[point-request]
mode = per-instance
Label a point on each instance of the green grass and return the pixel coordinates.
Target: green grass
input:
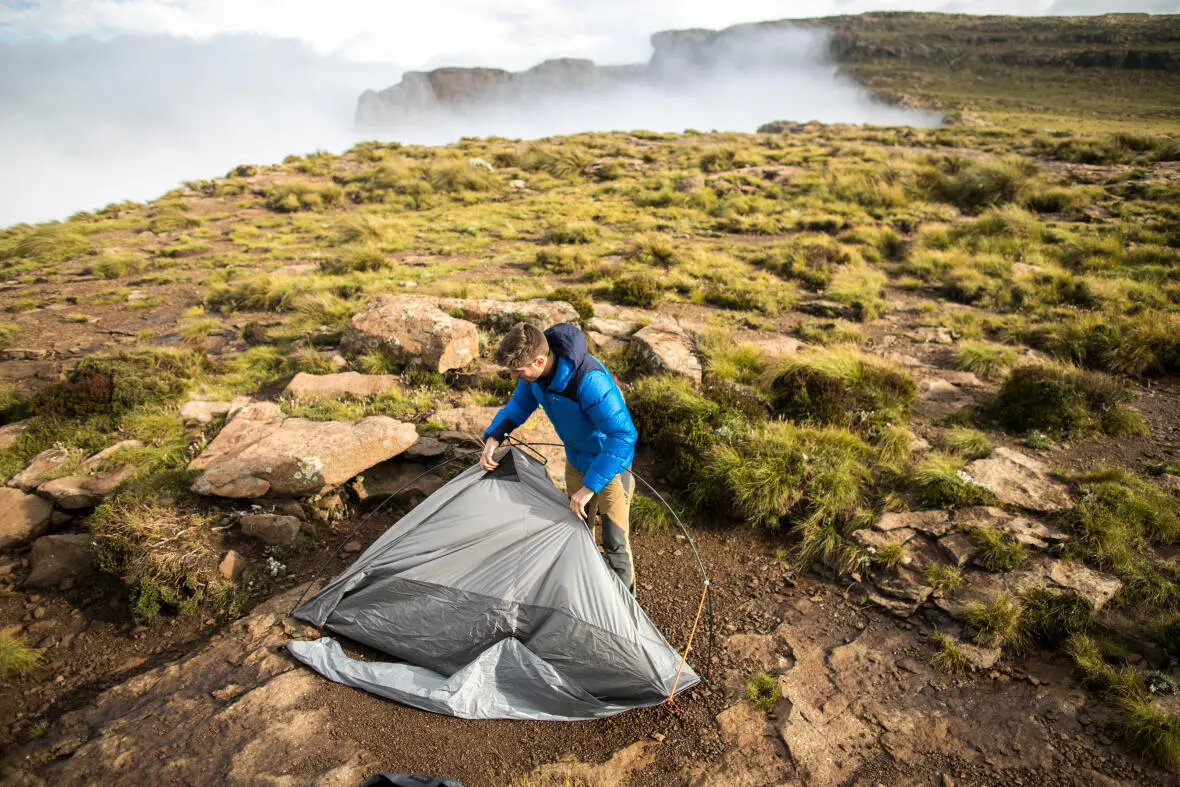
(998, 622)
(762, 690)
(941, 483)
(1052, 617)
(948, 654)
(889, 556)
(1165, 632)
(967, 443)
(16, 658)
(996, 550)
(942, 576)
(989, 361)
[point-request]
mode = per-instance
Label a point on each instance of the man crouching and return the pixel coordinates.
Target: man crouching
(553, 369)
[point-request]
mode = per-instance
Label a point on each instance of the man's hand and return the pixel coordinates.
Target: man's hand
(578, 502)
(485, 459)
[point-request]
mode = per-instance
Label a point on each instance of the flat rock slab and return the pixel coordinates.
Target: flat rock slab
(9, 433)
(666, 349)
(236, 711)
(23, 517)
(413, 331)
(1059, 575)
(1018, 479)
(42, 465)
(345, 385)
(84, 491)
(261, 451)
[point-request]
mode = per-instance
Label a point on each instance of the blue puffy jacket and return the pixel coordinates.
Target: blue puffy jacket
(583, 403)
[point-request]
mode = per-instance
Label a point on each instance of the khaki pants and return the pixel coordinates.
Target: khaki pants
(612, 506)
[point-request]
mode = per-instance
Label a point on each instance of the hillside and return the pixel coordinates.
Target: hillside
(914, 389)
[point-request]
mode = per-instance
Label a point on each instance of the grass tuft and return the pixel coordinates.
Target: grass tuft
(762, 690)
(948, 655)
(16, 658)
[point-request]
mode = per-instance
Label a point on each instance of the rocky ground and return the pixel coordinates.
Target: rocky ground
(188, 700)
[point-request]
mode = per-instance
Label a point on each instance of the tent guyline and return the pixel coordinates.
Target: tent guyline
(494, 601)
(706, 597)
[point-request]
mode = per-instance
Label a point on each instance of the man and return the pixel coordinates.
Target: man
(553, 369)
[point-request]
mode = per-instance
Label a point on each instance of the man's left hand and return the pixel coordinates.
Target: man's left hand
(578, 502)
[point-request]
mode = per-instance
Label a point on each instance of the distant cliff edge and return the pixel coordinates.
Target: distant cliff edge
(1136, 41)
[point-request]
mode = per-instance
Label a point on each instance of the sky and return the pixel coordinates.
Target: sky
(105, 100)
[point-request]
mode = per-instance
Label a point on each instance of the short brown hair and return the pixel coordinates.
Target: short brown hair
(523, 344)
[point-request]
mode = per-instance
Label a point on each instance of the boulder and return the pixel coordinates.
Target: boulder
(958, 547)
(84, 491)
(55, 559)
(389, 477)
(666, 349)
(203, 412)
(345, 385)
(260, 451)
(467, 424)
(23, 517)
(618, 328)
(412, 331)
(1096, 587)
(232, 566)
(602, 343)
(1018, 479)
(274, 529)
(502, 315)
(9, 433)
(42, 465)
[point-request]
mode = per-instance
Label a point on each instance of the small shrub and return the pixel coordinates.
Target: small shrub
(996, 550)
(563, 261)
(359, 257)
(859, 287)
(581, 302)
(975, 185)
(574, 233)
(810, 258)
(640, 289)
(16, 658)
(197, 330)
(112, 265)
(172, 220)
(1060, 400)
(1165, 632)
(943, 484)
(842, 388)
(649, 514)
(827, 333)
(297, 196)
(652, 248)
(762, 690)
(948, 655)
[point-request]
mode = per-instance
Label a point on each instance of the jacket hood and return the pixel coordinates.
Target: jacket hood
(567, 341)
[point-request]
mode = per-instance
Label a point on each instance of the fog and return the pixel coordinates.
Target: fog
(86, 123)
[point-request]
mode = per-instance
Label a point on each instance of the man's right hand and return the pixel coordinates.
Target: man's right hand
(485, 459)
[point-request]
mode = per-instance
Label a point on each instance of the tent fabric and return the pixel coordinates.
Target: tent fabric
(495, 603)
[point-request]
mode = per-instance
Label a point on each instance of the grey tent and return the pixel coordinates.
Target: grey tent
(495, 602)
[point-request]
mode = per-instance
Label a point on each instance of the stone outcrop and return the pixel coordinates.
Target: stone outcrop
(43, 464)
(469, 423)
(23, 517)
(261, 451)
(412, 331)
(84, 491)
(55, 559)
(502, 315)
(274, 529)
(664, 348)
(1019, 480)
(346, 385)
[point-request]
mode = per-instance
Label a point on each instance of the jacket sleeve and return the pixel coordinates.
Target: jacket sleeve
(513, 414)
(602, 401)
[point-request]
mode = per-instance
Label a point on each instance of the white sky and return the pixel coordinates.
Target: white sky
(506, 33)
(104, 100)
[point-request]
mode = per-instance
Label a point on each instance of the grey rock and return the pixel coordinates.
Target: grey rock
(55, 559)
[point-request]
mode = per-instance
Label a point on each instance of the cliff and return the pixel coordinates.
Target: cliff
(1122, 41)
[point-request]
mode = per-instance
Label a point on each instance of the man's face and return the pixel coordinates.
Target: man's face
(530, 372)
